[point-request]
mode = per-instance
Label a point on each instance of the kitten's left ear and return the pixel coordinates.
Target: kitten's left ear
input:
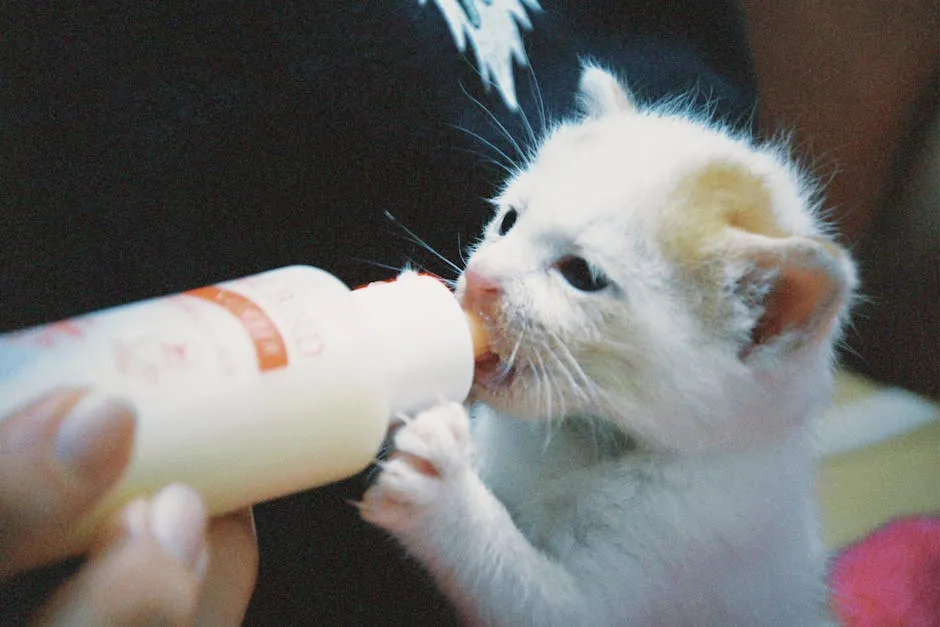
(600, 93)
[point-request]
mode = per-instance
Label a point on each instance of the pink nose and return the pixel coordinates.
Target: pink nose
(480, 291)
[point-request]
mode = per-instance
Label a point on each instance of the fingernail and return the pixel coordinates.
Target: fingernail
(29, 427)
(94, 438)
(178, 521)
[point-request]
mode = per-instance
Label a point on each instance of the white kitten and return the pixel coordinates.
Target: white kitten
(663, 305)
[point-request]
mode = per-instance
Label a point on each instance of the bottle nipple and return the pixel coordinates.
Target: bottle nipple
(478, 334)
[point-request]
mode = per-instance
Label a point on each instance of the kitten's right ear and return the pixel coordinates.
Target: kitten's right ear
(799, 286)
(783, 289)
(600, 93)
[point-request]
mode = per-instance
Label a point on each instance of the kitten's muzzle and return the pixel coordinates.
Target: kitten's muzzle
(481, 295)
(481, 292)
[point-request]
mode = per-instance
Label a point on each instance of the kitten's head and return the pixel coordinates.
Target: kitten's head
(656, 272)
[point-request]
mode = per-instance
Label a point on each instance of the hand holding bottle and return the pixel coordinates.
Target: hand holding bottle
(255, 388)
(155, 559)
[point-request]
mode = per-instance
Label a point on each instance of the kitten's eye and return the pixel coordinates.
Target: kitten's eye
(582, 275)
(508, 221)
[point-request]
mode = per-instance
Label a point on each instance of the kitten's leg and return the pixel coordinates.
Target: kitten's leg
(430, 498)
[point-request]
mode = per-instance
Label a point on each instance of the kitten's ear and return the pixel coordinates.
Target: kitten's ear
(793, 288)
(600, 93)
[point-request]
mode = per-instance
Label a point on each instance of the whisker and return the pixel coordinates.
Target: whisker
(530, 132)
(421, 242)
(564, 370)
(486, 156)
(548, 389)
(543, 380)
(562, 399)
(510, 167)
(588, 381)
(536, 90)
(495, 121)
(538, 383)
(507, 366)
(460, 252)
(378, 264)
(424, 270)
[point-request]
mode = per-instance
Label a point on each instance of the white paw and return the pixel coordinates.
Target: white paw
(431, 452)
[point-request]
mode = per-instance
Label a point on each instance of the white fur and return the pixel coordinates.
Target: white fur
(638, 469)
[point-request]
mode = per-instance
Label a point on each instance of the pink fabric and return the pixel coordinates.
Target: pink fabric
(891, 577)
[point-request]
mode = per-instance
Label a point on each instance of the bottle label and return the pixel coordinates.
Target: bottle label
(207, 336)
(269, 345)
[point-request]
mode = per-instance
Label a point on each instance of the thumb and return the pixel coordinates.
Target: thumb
(58, 455)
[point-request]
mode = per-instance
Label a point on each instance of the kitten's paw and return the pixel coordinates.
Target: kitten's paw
(431, 452)
(437, 441)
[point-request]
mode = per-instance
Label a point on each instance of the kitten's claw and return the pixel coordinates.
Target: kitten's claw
(399, 419)
(431, 451)
(439, 436)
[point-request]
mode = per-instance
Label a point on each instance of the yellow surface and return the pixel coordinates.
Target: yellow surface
(862, 489)
(851, 388)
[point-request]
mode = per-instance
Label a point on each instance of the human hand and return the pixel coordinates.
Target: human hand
(157, 560)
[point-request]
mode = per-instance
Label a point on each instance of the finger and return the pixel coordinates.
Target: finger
(148, 570)
(58, 455)
(233, 569)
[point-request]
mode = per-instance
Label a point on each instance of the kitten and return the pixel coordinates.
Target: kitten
(663, 304)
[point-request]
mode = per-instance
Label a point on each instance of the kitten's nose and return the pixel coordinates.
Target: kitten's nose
(480, 291)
